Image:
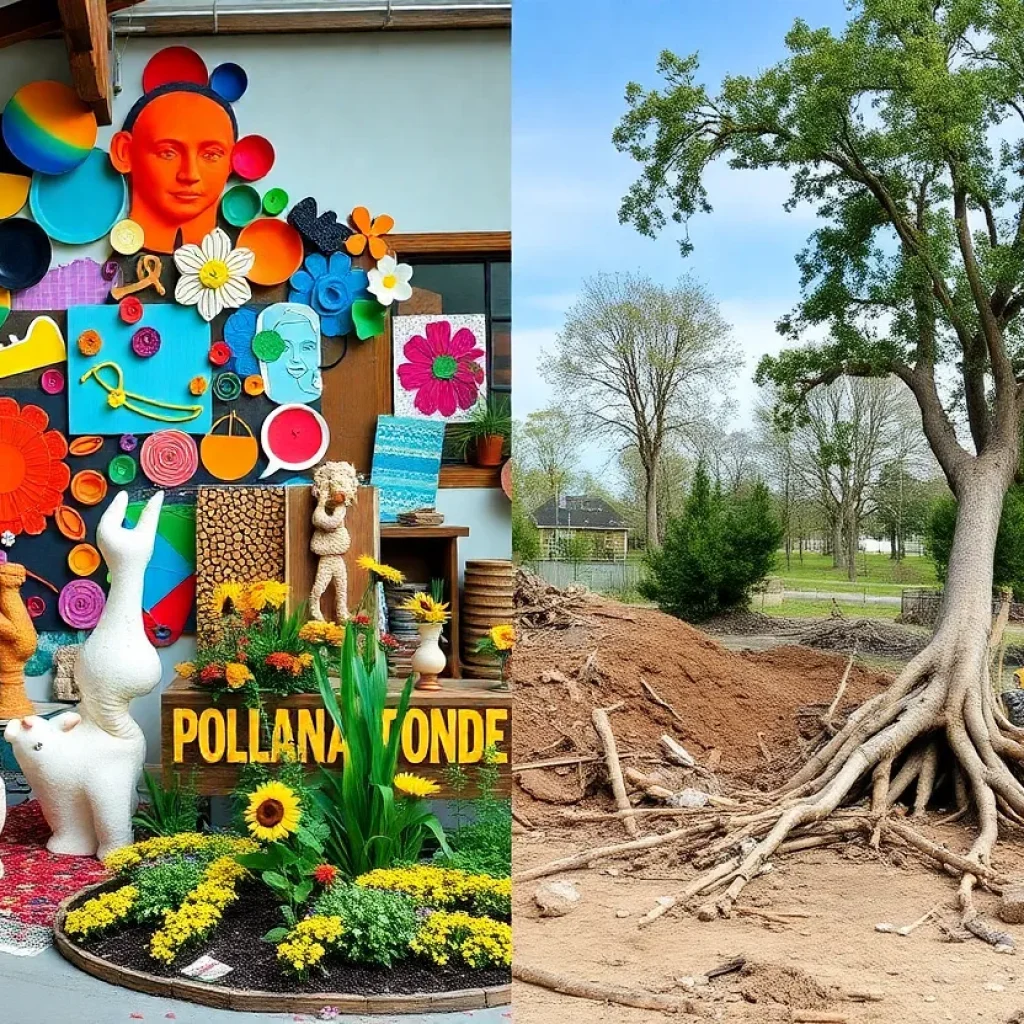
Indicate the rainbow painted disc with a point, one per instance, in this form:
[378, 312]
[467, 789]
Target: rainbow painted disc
[48, 128]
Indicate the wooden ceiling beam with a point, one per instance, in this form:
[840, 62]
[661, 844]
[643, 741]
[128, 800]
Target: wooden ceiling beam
[86, 28]
[34, 19]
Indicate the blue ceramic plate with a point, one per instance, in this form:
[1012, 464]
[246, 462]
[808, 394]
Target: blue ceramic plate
[229, 81]
[82, 205]
[25, 253]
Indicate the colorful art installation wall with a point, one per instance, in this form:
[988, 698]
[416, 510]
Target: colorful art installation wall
[192, 356]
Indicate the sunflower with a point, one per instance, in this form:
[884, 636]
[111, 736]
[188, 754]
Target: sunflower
[379, 569]
[223, 594]
[415, 785]
[273, 812]
[425, 608]
[503, 637]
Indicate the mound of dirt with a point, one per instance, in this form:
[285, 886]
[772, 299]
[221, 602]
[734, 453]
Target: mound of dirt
[723, 699]
[782, 986]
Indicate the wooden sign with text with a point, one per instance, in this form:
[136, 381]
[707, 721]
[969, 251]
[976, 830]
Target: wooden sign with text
[451, 726]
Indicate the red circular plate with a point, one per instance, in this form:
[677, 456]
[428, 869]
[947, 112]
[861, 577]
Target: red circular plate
[278, 249]
[252, 158]
[174, 64]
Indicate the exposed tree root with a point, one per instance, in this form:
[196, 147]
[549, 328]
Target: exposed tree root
[937, 729]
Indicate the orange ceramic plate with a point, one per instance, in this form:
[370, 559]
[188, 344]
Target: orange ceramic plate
[85, 445]
[278, 249]
[69, 522]
[83, 559]
[89, 487]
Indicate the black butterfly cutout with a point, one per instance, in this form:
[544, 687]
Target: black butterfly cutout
[323, 232]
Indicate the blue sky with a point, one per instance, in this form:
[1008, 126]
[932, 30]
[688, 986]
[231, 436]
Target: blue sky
[571, 62]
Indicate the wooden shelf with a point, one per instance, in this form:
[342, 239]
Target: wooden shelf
[395, 531]
[457, 475]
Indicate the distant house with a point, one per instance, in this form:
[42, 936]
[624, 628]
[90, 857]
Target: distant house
[564, 521]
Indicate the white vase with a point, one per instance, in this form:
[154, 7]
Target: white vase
[429, 660]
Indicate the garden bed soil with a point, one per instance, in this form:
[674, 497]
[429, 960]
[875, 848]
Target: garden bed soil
[238, 943]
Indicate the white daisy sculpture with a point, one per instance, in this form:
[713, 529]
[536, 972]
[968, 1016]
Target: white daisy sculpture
[389, 281]
[213, 275]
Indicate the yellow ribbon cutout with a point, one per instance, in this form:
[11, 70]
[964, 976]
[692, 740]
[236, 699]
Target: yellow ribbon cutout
[117, 398]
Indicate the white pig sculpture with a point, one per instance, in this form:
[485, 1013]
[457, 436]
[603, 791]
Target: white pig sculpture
[84, 768]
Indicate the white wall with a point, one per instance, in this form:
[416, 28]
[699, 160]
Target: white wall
[412, 124]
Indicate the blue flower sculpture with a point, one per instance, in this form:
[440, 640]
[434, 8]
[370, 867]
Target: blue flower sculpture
[330, 287]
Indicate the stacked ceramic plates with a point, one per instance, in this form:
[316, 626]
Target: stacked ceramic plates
[486, 602]
[402, 625]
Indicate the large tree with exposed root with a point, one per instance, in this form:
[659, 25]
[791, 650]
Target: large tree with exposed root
[905, 131]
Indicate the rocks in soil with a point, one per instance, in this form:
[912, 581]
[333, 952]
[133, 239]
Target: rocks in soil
[1011, 905]
[556, 899]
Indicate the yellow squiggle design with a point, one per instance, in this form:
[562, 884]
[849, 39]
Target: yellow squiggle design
[118, 397]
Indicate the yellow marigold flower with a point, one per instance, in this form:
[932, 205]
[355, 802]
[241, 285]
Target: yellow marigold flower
[306, 659]
[275, 593]
[379, 569]
[415, 785]
[477, 941]
[223, 594]
[101, 912]
[307, 943]
[185, 669]
[503, 637]
[322, 633]
[256, 595]
[237, 674]
[273, 812]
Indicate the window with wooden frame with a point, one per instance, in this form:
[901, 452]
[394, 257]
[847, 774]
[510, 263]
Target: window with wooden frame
[457, 274]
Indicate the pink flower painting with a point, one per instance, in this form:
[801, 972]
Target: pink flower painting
[440, 371]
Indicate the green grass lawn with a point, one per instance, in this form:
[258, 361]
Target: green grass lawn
[797, 608]
[877, 573]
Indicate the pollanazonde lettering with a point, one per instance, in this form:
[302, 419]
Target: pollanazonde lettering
[434, 736]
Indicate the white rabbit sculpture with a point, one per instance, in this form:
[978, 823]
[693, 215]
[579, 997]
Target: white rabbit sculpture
[84, 768]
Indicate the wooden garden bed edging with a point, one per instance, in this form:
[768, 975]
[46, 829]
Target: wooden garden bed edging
[223, 998]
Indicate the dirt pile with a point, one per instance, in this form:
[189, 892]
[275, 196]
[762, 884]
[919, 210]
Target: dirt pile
[606, 652]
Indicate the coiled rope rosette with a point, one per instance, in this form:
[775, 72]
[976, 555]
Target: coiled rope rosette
[81, 604]
[169, 458]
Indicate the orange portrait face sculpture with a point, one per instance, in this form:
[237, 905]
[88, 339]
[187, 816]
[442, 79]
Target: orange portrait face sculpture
[176, 150]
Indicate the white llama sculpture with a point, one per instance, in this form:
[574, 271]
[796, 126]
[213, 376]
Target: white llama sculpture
[84, 768]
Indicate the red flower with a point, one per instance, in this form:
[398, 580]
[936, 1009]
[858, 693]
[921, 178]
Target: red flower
[130, 310]
[325, 874]
[387, 640]
[442, 369]
[211, 673]
[33, 474]
[362, 619]
[280, 660]
[220, 353]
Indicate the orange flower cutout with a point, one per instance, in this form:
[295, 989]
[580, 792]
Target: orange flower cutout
[33, 475]
[369, 232]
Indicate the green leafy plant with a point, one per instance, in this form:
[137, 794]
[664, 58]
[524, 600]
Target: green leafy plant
[490, 417]
[370, 825]
[286, 868]
[481, 842]
[169, 811]
[164, 886]
[714, 553]
[378, 925]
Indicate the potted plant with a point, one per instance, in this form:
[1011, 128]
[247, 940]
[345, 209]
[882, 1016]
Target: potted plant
[486, 432]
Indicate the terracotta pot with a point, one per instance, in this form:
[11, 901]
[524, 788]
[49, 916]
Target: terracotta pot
[489, 449]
